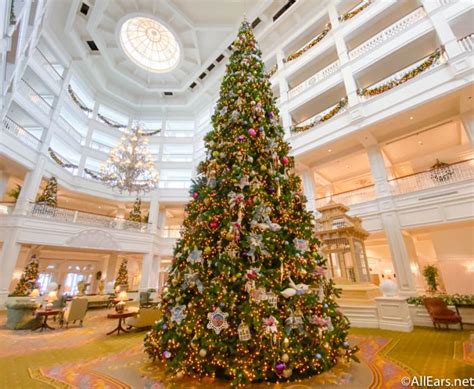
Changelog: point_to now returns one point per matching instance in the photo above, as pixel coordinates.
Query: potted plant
(431, 274)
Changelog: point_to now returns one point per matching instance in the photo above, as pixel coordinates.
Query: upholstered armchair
(440, 313)
(20, 315)
(146, 318)
(75, 310)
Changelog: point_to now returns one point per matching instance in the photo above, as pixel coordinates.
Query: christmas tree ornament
(202, 352)
(179, 375)
(287, 373)
(195, 257)
(285, 160)
(252, 132)
(244, 332)
(178, 314)
(270, 324)
(279, 367)
(285, 358)
(217, 321)
(166, 354)
(301, 245)
(272, 299)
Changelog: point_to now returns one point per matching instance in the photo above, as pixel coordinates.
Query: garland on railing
(311, 44)
(77, 101)
(426, 64)
(151, 133)
(449, 299)
(341, 104)
(272, 70)
(59, 161)
(351, 14)
(12, 13)
(110, 122)
(93, 174)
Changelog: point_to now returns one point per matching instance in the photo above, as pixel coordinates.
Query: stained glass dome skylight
(149, 44)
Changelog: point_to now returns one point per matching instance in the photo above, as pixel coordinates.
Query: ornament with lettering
(244, 332)
(217, 321)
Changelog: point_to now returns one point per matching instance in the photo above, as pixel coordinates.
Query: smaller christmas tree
(122, 276)
(28, 279)
(135, 214)
(50, 193)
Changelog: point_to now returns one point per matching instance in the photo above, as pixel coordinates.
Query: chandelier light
(130, 166)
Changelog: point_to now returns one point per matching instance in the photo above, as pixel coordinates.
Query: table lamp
(52, 296)
(122, 297)
(34, 295)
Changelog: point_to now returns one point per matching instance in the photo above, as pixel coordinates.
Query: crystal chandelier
(130, 166)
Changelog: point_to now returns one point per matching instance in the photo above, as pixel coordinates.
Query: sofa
(97, 300)
(21, 315)
(146, 318)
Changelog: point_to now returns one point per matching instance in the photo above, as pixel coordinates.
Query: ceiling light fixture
(411, 117)
(329, 150)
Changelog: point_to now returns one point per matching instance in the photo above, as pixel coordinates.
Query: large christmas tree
(247, 297)
(28, 278)
(50, 193)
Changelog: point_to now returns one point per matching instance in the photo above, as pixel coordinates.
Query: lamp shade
(35, 293)
(123, 296)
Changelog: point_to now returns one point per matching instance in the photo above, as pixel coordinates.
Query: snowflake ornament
(195, 256)
(217, 321)
(301, 245)
(177, 313)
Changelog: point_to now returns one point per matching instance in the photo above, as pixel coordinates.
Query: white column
(399, 253)
(8, 257)
(4, 177)
(346, 70)
(283, 86)
(308, 189)
(147, 268)
(443, 29)
(111, 271)
(379, 173)
(156, 272)
(153, 211)
(467, 119)
(20, 53)
(30, 187)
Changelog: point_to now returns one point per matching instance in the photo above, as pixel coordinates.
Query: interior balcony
(314, 73)
(398, 17)
(411, 60)
(41, 62)
(324, 104)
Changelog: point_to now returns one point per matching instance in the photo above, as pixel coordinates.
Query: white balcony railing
(27, 90)
(401, 74)
(175, 183)
(178, 133)
(388, 33)
(457, 172)
(47, 65)
(100, 146)
(63, 162)
(467, 43)
(177, 157)
(356, 196)
(70, 130)
(18, 131)
(321, 117)
(319, 76)
(85, 218)
(170, 232)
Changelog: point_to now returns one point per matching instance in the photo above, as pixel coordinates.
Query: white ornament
(195, 256)
(177, 313)
(270, 324)
(244, 332)
(217, 321)
(295, 289)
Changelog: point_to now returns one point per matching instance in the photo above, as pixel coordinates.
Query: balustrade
(356, 196)
(85, 218)
(66, 126)
(13, 128)
(100, 146)
(319, 76)
(467, 43)
(170, 232)
(48, 66)
(388, 33)
(456, 172)
(27, 90)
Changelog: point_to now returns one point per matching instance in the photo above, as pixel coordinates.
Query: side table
(120, 316)
(45, 314)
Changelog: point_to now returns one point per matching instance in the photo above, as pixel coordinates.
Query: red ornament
(195, 195)
(285, 160)
(214, 224)
(252, 132)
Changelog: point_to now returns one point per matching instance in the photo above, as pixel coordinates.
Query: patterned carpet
(87, 358)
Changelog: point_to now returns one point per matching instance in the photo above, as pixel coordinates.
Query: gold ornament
(285, 358)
